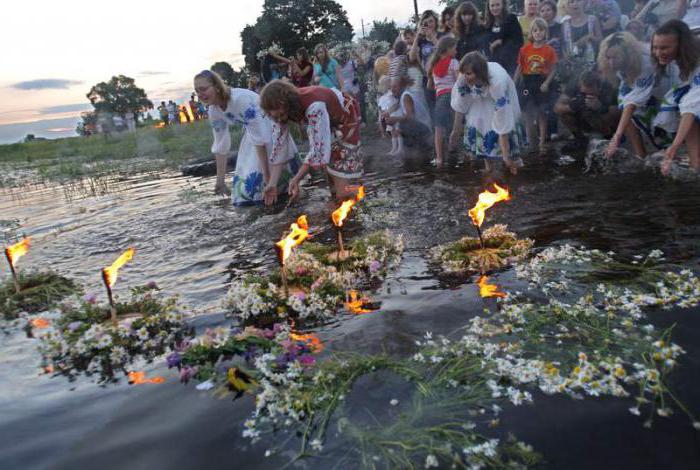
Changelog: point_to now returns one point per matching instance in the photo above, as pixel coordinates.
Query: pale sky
(53, 52)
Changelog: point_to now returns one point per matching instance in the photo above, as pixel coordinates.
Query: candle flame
(486, 200)
(299, 233)
(312, 341)
(357, 305)
(16, 251)
(139, 378)
(339, 215)
(40, 323)
(110, 273)
(488, 290)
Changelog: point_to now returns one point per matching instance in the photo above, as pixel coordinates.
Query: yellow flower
(620, 372)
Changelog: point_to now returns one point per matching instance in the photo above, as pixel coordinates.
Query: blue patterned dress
(489, 111)
(683, 97)
(243, 109)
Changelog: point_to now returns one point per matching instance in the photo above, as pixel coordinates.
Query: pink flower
(374, 266)
(307, 360)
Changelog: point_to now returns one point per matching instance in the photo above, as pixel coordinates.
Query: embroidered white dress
(683, 97)
(243, 109)
(489, 111)
(647, 95)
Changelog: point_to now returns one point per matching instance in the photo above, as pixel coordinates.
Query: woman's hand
(669, 155)
(544, 88)
(612, 146)
(293, 189)
(270, 195)
(495, 44)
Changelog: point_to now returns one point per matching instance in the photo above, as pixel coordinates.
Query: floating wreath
(466, 256)
(85, 341)
(39, 291)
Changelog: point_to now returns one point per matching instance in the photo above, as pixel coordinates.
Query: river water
(192, 243)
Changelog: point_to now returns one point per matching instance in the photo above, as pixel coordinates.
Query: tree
(234, 78)
(225, 71)
(119, 95)
(293, 24)
(87, 124)
(384, 30)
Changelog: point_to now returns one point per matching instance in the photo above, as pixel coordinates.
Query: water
(192, 243)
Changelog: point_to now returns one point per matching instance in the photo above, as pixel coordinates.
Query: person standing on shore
(256, 170)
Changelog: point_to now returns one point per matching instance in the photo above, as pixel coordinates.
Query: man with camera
(588, 105)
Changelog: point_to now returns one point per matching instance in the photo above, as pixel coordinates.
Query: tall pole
(415, 9)
(362, 21)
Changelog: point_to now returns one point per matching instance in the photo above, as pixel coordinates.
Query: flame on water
(357, 304)
(160, 125)
(486, 200)
(488, 290)
(139, 378)
(311, 340)
(110, 273)
(299, 233)
(16, 251)
(339, 215)
(40, 323)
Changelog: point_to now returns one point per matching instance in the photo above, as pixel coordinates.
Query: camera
(577, 103)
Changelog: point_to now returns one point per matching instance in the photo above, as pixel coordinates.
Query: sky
(54, 51)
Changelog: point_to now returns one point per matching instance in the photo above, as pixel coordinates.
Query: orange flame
(311, 340)
(486, 200)
(16, 251)
(488, 290)
(340, 214)
(110, 274)
(160, 125)
(40, 323)
(299, 233)
(357, 305)
(139, 378)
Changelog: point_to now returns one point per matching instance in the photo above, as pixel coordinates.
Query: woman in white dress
(625, 61)
(256, 169)
(486, 94)
(675, 47)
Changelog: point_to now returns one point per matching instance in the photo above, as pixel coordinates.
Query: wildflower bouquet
(273, 49)
(465, 256)
(314, 291)
(39, 291)
(85, 341)
(370, 257)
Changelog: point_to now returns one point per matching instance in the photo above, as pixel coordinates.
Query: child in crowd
(389, 107)
(399, 63)
(442, 73)
(536, 67)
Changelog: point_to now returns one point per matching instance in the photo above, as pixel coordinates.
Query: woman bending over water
(256, 169)
(332, 121)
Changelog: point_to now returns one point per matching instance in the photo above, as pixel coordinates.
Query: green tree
(384, 30)
(293, 24)
(234, 78)
(119, 95)
(88, 120)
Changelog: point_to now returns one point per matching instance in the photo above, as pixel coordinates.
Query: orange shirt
(536, 60)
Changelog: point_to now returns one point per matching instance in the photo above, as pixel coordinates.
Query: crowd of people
(171, 113)
(496, 84)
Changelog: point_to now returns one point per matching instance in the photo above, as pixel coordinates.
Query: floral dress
(243, 109)
(683, 97)
(332, 122)
(647, 95)
(489, 111)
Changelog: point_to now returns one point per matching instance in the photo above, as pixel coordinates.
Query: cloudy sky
(53, 52)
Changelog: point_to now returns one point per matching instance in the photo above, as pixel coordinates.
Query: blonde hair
(541, 25)
(384, 84)
(632, 51)
(223, 91)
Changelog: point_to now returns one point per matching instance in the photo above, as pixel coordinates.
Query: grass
(146, 149)
(39, 292)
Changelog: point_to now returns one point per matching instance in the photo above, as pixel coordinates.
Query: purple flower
(300, 295)
(74, 325)
(307, 360)
(374, 266)
(186, 373)
(90, 299)
(173, 360)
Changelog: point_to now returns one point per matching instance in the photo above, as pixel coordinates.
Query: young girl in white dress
(255, 169)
